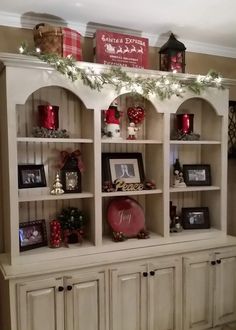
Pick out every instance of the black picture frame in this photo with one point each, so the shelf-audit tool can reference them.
(195, 218)
(197, 174)
(125, 166)
(32, 234)
(31, 176)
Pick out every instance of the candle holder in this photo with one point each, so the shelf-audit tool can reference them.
(184, 128)
(48, 116)
(185, 123)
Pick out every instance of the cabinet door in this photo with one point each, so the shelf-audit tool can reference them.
(225, 288)
(198, 292)
(165, 294)
(128, 308)
(40, 305)
(85, 301)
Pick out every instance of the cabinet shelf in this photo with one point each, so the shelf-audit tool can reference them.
(53, 140)
(191, 234)
(132, 193)
(122, 141)
(189, 189)
(31, 197)
(198, 142)
(81, 115)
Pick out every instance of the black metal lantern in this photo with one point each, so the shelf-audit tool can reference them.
(71, 175)
(172, 55)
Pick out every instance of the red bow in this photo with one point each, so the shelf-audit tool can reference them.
(65, 155)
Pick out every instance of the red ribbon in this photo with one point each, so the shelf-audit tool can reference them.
(65, 155)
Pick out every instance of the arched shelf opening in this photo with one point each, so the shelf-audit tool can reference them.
(206, 121)
(73, 116)
(134, 108)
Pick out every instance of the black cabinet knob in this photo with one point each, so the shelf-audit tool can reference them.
(69, 287)
(60, 288)
(213, 263)
(218, 261)
(145, 274)
(152, 272)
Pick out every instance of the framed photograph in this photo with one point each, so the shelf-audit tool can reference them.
(32, 234)
(31, 176)
(195, 217)
(197, 175)
(125, 166)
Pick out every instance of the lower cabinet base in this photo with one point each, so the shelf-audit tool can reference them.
(185, 291)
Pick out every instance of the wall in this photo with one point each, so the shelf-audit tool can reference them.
(11, 39)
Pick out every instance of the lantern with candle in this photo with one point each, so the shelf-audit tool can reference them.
(172, 55)
(70, 171)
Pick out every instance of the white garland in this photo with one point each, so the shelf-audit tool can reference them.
(163, 86)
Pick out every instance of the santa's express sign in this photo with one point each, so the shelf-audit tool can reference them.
(121, 49)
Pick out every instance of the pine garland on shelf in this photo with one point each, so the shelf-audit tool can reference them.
(164, 86)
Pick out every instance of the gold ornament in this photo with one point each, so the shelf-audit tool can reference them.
(57, 186)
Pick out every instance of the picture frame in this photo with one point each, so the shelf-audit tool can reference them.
(125, 166)
(197, 174)
(32, 234)
(31, 176)
(195, 218)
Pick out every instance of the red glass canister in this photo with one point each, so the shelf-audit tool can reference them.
(185, 123)
(55, 233)
(48, 116)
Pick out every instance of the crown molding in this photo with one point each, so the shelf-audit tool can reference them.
(88, 30)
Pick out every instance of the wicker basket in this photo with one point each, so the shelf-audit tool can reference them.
(49, 39)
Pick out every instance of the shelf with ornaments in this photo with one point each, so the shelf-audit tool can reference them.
(196, 122)
(197, 151)
(54, 114)
(136, 218)
(131, 119)
(46, 131)
(54, 126)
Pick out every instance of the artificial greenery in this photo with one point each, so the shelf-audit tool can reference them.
(164, 85)
(44, 132)
(72, 218)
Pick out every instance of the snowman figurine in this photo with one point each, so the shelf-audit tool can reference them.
(112, 121)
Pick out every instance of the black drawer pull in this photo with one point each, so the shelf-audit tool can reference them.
(213, 263)
(69, 287)
(152, 273)
(145, 274)
(218, 261)
(60, 288)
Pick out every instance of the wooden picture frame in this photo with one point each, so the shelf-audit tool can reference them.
(127, 167)
(197, 175)
(32, 234)
(31, 176)
(195, 218)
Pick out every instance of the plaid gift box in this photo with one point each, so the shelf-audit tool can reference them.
(71, 44)
(58, 40)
